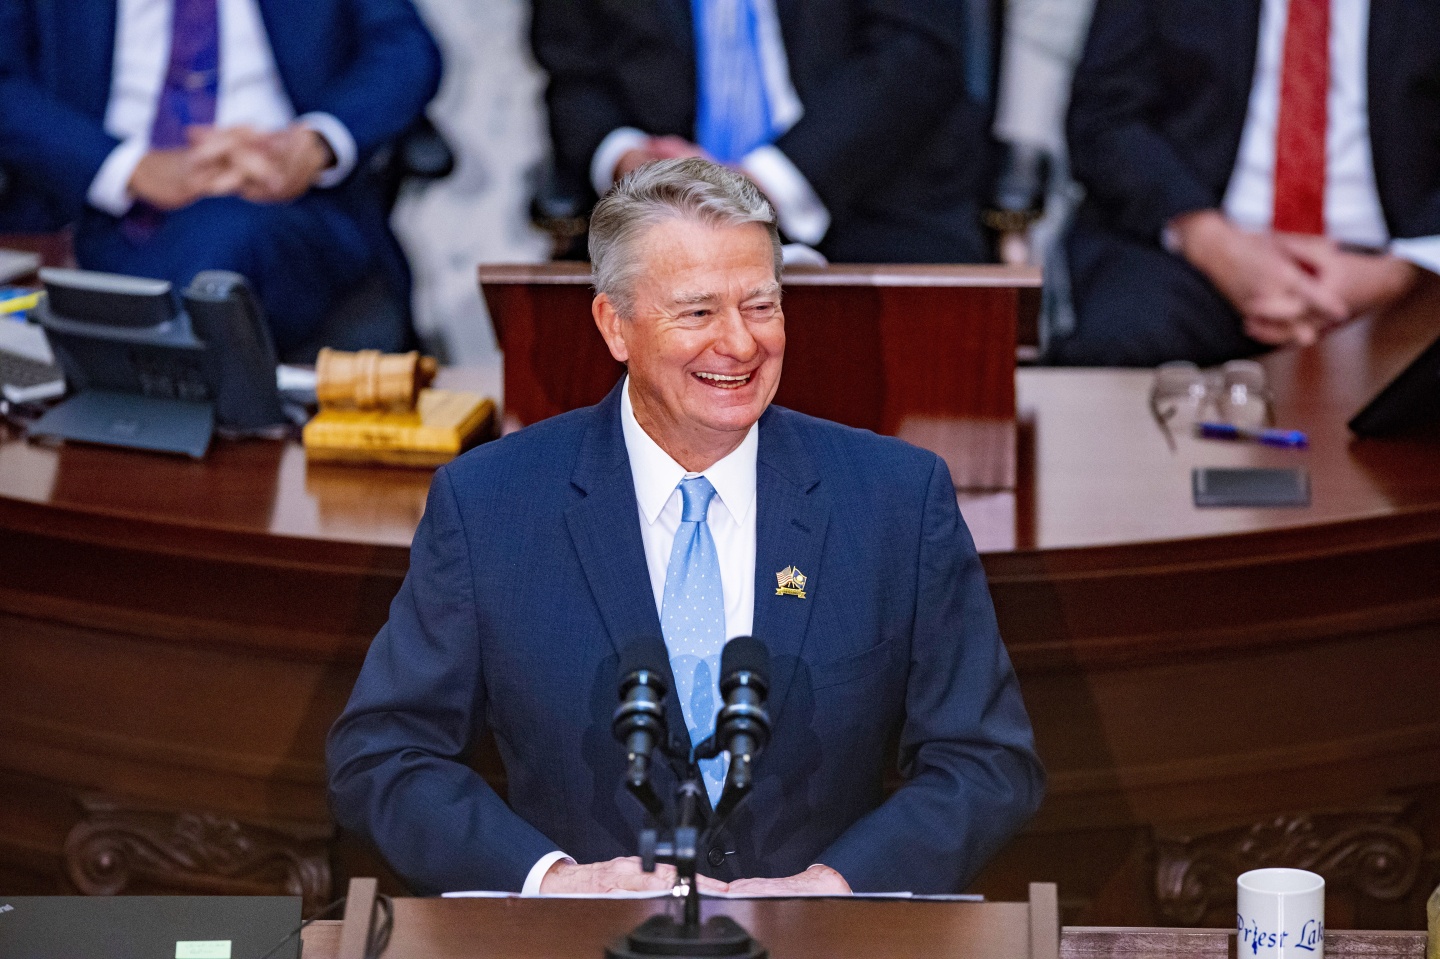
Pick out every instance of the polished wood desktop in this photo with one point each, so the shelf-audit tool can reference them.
(1218, 689)
(926, 353)
(1211, 689)
(791, 929)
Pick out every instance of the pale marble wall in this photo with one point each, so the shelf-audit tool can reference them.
(490, 109)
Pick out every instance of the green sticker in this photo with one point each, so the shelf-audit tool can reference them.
(203, 949)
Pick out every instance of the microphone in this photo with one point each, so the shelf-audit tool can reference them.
(639, 721)
(743, 726)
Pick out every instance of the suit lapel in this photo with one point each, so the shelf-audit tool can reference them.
(605, 530)
(1233, 31)
(786, 12)
(789, 531)
(681, 22)
(1385, 68)
(290, 29)
(93, 47)
(1244, 46)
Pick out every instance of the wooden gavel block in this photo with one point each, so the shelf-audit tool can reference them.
(371, 380)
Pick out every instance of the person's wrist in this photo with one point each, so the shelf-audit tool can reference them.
(554, 878)
(140, 176)
(149, 182)
(319, 154)
(1196, 233)
(1403, 275)
(629, 161)
(829, 875)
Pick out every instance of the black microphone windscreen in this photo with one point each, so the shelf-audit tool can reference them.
(745, 654)
(647, 652)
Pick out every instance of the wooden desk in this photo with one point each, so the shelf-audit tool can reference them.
(926, 353)
(791, 929)
(1209, 689)
(1217, 689)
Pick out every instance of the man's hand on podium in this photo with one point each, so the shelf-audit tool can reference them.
(818, 880)
(617, 875)
(625, 875)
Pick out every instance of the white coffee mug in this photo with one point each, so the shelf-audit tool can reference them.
(1280, 914)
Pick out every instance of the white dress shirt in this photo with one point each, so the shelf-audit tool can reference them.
(802, 214)
(731, 516)
(1352, 201)
(732, 524)
(250, 92)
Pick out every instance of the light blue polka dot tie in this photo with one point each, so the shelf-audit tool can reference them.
(692, 617)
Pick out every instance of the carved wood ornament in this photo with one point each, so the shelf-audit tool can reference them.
(115, 848)
(1372, 852)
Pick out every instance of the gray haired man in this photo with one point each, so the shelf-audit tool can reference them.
(673, 509)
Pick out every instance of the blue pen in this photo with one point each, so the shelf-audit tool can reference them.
(1289, 439)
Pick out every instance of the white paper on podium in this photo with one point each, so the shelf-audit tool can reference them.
(660, 894)
(622, 894)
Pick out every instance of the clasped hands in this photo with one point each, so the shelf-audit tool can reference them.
(235, 161)
(625, 875)
(1289, 288)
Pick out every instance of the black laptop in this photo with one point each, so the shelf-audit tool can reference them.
(1409, 402)
(147, 927)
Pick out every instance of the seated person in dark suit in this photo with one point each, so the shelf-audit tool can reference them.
(673, 509)
(184, 135)
(851, 115)
(1256, 172)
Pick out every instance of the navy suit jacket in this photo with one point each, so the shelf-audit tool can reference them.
(528, 576)
(1160, 98)
(889, 140)
(370, 63)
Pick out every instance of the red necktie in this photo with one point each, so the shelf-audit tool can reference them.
(1300, 137)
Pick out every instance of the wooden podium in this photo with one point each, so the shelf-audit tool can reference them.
(822, 928)
(926, 353)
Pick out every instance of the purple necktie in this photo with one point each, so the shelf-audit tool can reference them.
(193, 80)
(187, 98)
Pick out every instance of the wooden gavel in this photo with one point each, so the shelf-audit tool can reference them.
(371, 380)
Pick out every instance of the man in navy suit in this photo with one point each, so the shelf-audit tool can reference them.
(1256, 171)
(675, 508)
(860, 128)
(184, 135)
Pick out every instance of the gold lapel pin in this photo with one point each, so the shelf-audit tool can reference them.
(792, 582)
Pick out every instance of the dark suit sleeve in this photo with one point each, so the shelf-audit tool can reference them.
(394, 73)
(1116, 151)
(569, 41)
(966, 747)
(397, 754)
(878, 105)
(52, 144)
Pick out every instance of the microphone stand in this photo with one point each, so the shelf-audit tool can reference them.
(679, 843)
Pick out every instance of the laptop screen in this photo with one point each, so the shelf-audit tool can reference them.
(147, 927)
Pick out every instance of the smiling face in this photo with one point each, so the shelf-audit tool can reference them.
(707, 338)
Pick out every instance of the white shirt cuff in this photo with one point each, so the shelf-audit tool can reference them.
(342, 144)
(538, 871)
(616, 144)
(802, 216)
(1423, 251)
(798, 254)
(110, 190)
(1170, 240)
